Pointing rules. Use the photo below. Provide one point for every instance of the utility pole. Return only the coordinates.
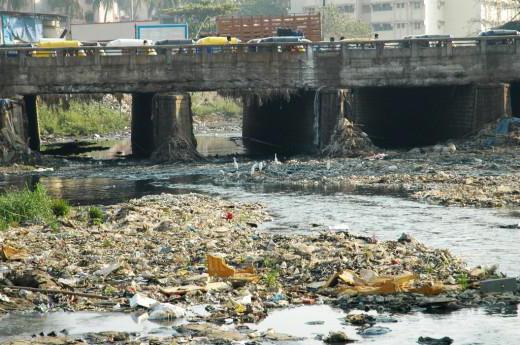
(323, 18)
(132, 9)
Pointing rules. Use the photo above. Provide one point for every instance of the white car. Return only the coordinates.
(129, 42)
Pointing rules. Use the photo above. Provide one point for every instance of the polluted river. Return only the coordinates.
(480, 236)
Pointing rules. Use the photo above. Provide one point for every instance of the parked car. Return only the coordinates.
(426, 41)
(111, 47)
(58, 43)
(499, 33)
(173, 43)
(88, 48)
(14, 52)
(287, 39)
(355, 42)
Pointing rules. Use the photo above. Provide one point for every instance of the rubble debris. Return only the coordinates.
(12, 253)
(499, 285)
(279, 269)
(217, 267)
(353, 284)
(434, 341)
(166, 311)
(176, 149)
(338, 338)
(348, 141)
(141, 301)
(210, 331)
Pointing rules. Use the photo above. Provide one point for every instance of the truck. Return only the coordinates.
(247, 28)
(145, 30)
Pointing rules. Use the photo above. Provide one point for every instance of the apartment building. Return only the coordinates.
(89, 13)
(394, 19)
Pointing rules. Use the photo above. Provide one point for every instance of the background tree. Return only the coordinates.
(337, 24)
(200, 14)
(13, 5)
(106, 4)
(71, 8)
(264, 7)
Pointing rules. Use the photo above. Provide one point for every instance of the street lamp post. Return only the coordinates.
(132, 8)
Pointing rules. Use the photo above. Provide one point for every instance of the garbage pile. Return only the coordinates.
(176, 148)
(503, 132)
(162, 254)
(119, 101)
(348, 141)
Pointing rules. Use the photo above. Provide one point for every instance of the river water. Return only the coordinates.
(477, 235)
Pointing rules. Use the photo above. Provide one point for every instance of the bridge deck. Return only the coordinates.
(261, 66)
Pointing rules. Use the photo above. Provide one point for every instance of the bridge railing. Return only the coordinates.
(408, 47)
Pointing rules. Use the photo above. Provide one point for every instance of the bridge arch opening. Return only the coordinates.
(402, 117)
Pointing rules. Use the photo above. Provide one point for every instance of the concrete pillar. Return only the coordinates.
(172, 120)
(162, 126)
(142, 127)
(33, 129)
(408, 117)
(299, 122)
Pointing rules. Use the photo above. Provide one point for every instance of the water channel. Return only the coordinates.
(477, 235)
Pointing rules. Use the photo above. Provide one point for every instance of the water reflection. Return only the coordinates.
(79, 323)
(207, 146)
(479, 327)
(89, 190)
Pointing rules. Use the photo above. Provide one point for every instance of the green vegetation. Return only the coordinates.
(200, 14)
(82, 118)
(96, 215)
(60, 208)
(264, 8)
(337, 24)
(463, 281)
(207, 104)
(271, 278)
(34, 206)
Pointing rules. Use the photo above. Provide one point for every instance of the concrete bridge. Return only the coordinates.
(268, 66)
(446, 88)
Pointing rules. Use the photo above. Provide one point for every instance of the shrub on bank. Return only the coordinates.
(210, 104)
(96, 215)
(81, 118)
(34, 206)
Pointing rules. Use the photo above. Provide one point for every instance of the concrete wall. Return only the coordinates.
(407, 117)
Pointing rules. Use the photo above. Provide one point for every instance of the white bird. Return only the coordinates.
(222, 172)
(328, 164)
(235, 163)
(253, 168)
(260, 166)
(276, 161)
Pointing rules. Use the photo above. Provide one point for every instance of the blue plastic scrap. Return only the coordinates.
(505, 123)
(503, 128)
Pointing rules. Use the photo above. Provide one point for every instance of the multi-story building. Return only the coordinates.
(88, 12)
(393, 19)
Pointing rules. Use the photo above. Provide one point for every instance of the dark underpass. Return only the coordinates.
(411, 117)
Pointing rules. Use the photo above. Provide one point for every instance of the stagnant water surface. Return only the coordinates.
(477, 235)
(311, 323)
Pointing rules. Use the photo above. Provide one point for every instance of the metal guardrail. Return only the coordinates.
(413, 45)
